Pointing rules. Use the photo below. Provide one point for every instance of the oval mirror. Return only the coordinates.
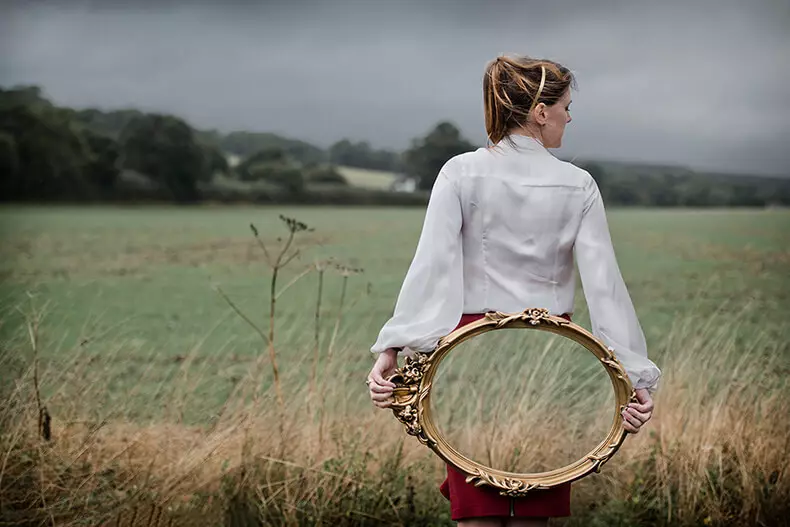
(512, 409)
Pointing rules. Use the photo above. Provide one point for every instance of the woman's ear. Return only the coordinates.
(540, 114)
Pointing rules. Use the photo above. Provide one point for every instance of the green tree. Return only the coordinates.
(287, 177)
(427, 155)
(216, 162)
(9, 163)
(324, 174)
(102, 168)
(695, 192)
(274, 165)
(248, 143)
(164, 148)
(622, 191)
(49, 153)
(271, 156)
(361, 155)
(598, 173)
(110, 124)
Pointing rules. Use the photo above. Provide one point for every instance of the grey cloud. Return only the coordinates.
(702, 85)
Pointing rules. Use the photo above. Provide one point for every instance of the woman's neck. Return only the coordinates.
(528, 131)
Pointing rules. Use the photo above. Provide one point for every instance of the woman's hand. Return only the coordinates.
(637, 414)
(381, 389)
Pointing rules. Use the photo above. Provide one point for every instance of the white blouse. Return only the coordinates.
(500, 233)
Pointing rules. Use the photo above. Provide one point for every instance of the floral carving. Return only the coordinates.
(408, 395)
(534, 316)
(599, 459)
(610, 360)
(409, 417)
(513, 488)
(414, 367)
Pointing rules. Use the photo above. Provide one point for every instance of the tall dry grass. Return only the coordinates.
(717, 451)
(547, 381)
(119, 435)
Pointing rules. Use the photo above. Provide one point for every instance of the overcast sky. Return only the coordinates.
(703, 84)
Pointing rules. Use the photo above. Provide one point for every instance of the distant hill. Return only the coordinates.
(652, 169)
(109, 123)
(245, 144)
(242, 144)
(625, 183)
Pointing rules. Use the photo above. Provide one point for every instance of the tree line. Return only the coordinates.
(49, 152)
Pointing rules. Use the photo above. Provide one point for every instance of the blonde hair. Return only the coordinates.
(513, 86)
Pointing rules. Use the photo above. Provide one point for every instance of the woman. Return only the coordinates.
(501, 230)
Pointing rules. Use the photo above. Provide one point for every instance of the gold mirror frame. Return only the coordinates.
(412, 402)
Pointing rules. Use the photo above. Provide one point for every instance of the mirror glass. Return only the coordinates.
(522, 400)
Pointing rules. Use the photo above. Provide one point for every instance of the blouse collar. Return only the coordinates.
(525, 141)
(521, 143)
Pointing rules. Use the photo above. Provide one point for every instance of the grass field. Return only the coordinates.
(163, 400)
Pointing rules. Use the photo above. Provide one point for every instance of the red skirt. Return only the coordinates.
(468, 501)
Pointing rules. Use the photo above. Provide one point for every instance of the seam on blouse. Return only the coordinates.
(586, 206)
(554, 282)
(555, 278)
(484, 251)
(486, 278)
(528, 183)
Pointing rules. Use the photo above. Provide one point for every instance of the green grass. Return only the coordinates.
(142, 360)
(147, 274)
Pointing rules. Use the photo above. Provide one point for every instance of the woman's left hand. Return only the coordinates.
(637, 414)
(380, 388)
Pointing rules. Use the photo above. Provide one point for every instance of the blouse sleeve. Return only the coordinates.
(431, 298)
(612, 313)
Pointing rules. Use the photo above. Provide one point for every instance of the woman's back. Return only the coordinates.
(521, 210)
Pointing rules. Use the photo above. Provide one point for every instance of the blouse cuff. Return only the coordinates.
(646, 379)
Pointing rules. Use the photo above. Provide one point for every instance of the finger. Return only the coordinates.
(628, 426)
(633, 421)
(378, 379)
(644, 408)
(380, 397)
(379, 389)
(642, 416)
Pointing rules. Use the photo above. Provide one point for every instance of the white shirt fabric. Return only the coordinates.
(500, 233)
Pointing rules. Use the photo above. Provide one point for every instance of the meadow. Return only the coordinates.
(138, 340)
(367, 178)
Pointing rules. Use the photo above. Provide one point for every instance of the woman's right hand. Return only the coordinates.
(635, 415)
(380, 388)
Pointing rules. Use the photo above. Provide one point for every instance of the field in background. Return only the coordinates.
(161, 396)
(365, 178)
